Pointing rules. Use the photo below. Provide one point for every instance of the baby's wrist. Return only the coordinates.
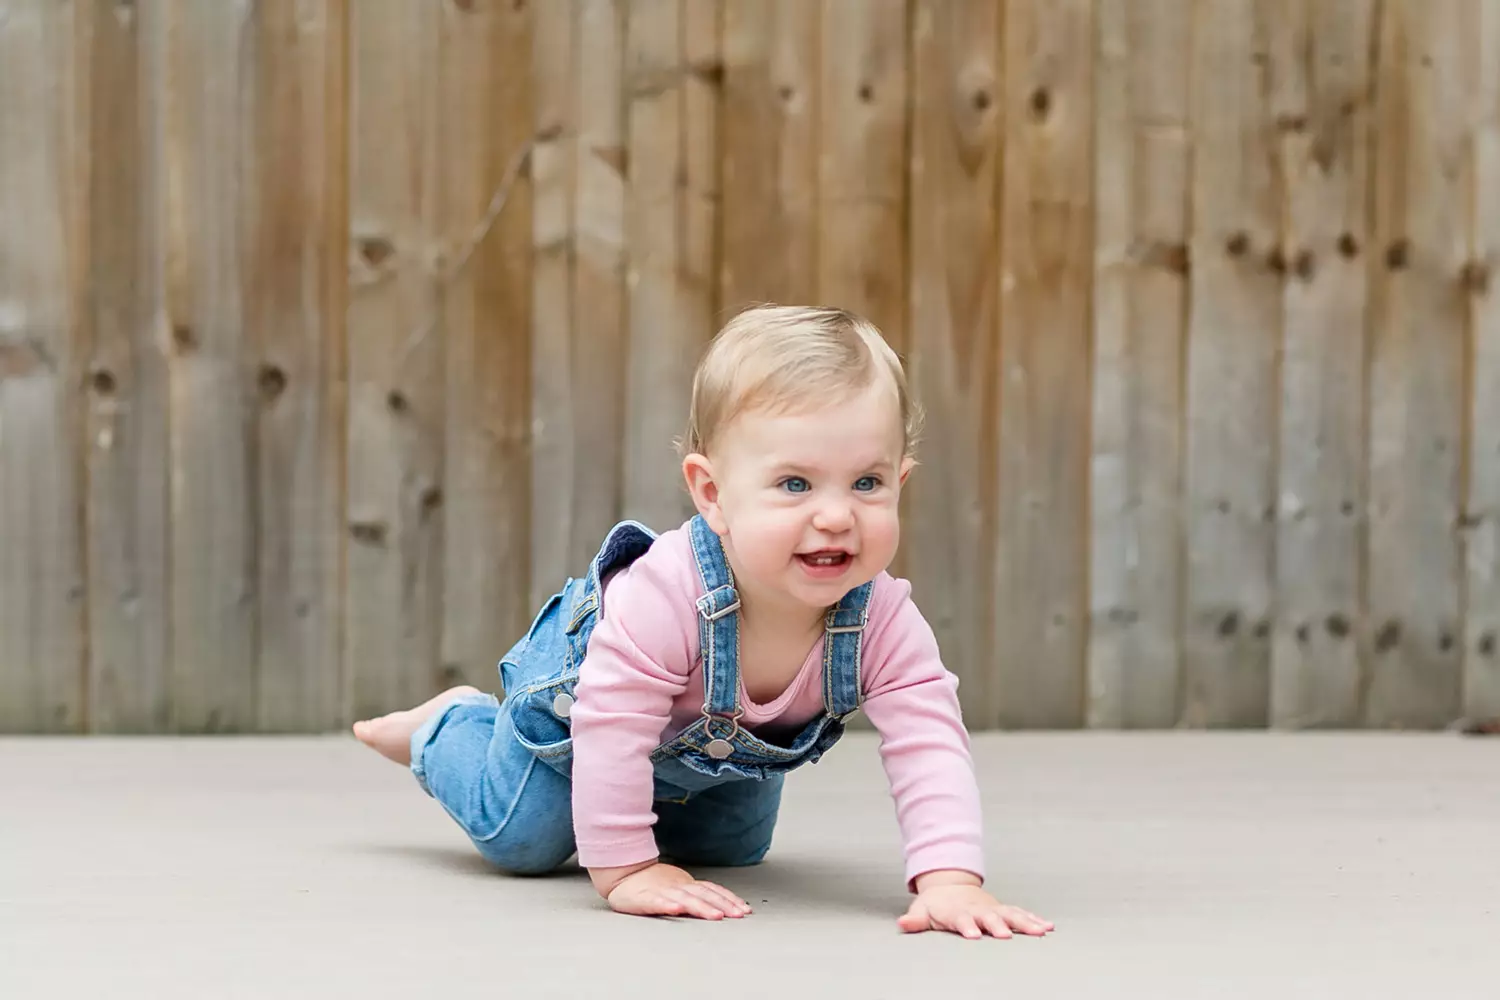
(946, 876)
(606, 880)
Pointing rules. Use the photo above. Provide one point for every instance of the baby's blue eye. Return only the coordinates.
(866, 483)
(795, 484)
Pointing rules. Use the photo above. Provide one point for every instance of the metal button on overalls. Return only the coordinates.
(562, 705)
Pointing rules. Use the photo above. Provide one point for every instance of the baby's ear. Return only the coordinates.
(907, 464)
(698, 471)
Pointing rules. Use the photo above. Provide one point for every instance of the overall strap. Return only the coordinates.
(843, 629)
(718, 624)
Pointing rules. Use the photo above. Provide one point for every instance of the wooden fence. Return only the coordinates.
(334, 332)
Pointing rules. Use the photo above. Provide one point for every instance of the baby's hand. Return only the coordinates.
(665, 891)
(955, 902)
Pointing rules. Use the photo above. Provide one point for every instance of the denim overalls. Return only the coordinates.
(502, 769)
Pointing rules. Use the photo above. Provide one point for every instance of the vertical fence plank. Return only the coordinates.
(769, 141)
(1234, 326)
(212, 162)
(294, 303)
(126, 430)
(486, 132)
(556, 533)
(1140, 305)
(1481, 676)
(1320, 71)
(43, 95)
(672, 73)
(954, 241)
(396, 407)
(862, 167)
(578, 379)
(1046, 273)
(1416, 366)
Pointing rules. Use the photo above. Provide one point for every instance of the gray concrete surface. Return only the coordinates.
(1175, 865)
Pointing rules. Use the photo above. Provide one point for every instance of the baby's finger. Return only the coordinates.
(995, 923)
(702, 903)
(735, 905)
(966, 925)
(1025, 922)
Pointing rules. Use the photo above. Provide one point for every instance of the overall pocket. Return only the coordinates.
(540, 716)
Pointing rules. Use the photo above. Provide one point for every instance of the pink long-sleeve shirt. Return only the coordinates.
(641, 682)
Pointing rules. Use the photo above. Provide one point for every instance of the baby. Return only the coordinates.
(656, 704)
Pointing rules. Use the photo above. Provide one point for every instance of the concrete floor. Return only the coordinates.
(1175, 865)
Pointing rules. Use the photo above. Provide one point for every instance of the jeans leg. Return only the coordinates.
(727, 825)
(517, 810)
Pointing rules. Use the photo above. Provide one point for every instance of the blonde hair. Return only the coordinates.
(781, 357)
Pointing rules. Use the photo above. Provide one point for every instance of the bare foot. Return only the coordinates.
(391, 734)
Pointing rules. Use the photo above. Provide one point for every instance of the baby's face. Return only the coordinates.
(810, 499)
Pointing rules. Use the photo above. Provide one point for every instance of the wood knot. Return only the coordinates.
(396, 400)
(710, 71)
(102, 381)
(1262, 629)
(786, 93)
(432, 499)
(1398, 254)
(1276, 261)
(1238, 244)
(1388, 637)
(1475, 277)
(1487, 644)
(1229, 625)
(368, 532)
(866, 93)
(1337, 625)
(1040, 102)
(1292, 123)
(1348, 245)
(184, 337)
(376, 250)
(981, 100)
(271, 380)
(1304, 633)
(1302, 265)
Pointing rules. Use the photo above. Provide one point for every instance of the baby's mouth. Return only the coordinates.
(825, 557)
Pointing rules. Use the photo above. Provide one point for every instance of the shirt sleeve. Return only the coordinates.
(912, 700)
(638, 660)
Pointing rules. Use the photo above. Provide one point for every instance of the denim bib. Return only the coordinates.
(714, 748)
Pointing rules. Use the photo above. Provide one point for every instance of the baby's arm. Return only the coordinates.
(912, 700)
(637, 663)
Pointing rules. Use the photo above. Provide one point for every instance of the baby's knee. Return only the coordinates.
(521, 852)
(530, 847)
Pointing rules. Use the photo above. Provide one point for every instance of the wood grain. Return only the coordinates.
(578, 375)
(1234, 329)
(44, 88)
(397, 413)
(212, 162)
(294, 302)
(673, 75)
(769, 142)
(126, 432)
(485, 303)
(557, 540)
(1320, 103)
(950, 531)
(1046, 274)
(1481, 670)
(1139, 315)
(1418, 307)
